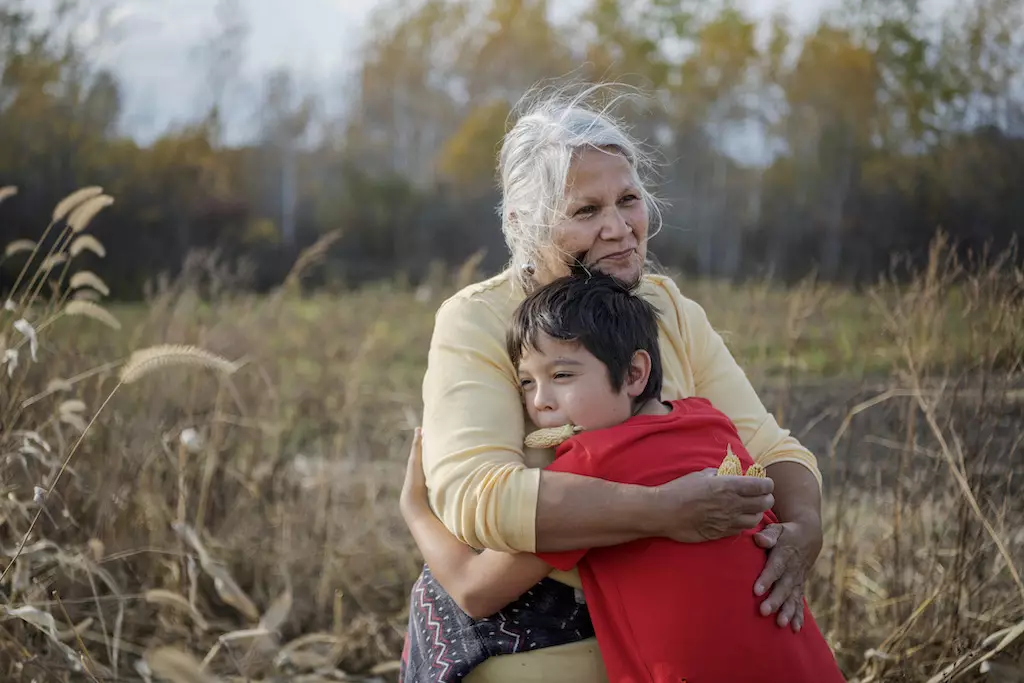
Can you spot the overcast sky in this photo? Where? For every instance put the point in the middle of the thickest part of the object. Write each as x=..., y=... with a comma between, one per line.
x=154, y=48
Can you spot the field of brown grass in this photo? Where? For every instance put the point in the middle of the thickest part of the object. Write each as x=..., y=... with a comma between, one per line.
x=205, y=487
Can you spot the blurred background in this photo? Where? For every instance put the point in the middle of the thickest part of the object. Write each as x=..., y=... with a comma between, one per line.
x=208, y=386
x=791, y=136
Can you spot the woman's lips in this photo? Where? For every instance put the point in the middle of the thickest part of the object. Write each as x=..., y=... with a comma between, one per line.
x=618, y=256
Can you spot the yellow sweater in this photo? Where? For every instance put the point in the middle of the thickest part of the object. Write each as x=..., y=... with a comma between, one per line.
x=483, y=483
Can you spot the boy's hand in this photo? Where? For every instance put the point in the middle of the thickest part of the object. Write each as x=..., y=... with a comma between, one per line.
x=413, y=501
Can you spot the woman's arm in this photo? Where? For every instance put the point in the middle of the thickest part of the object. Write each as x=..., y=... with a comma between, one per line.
x=473, y=430
x=694, y=508
x=481, y=584
x=482, y=491
x=719, y=378
x=799, y=514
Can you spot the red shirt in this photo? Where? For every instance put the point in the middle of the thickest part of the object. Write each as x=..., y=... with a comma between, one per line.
x=669, y=612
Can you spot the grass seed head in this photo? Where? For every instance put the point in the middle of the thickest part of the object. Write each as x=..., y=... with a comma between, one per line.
x=52, y=262
x=91, y=309
x=19, y=246
x=87, y=243
x=148, y=360
x=81, y=217
x=171, y=664
x=73, y=200
x=87, y=278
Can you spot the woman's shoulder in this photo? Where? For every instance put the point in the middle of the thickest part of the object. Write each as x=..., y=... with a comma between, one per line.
x=678, y=311
x=659, y=285
x=496, y=288
x=663, y=291
x=486, y=304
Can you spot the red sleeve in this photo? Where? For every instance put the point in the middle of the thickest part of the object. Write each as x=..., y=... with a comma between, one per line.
x=573, y=458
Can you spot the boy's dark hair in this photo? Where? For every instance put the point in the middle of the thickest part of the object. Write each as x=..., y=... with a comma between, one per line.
x=600, y=312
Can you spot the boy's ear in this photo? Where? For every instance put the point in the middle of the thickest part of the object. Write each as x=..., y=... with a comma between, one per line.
x=638, y=374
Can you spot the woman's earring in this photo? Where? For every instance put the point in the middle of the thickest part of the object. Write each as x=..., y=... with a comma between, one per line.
x=529, y=269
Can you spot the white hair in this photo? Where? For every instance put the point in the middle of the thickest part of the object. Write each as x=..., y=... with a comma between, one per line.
x=533, y=167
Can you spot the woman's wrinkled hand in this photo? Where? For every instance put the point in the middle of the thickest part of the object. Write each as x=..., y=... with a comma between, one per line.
x=704, y=507
x=413, y=500
x=793, y=547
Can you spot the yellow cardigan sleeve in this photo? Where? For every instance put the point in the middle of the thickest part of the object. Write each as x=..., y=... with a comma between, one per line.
x=718, y=378
x=473, y=431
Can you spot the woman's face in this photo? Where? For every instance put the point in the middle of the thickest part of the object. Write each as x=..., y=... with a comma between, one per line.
x=605, y=228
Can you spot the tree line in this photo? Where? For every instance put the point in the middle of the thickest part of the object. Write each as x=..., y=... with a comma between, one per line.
x=781, y=151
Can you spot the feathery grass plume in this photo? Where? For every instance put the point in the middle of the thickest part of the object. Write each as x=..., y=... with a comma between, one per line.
x=310, y=256
x=147, y=360
x=75, y=420
x=90, y=309
x=19, y=246
x=70, y=413
x=52, y=262
x=87, y=278
x=166, y=598
x=74, y=199
x=311, y=651
x=7, y=192
x=171, y=664
x=386, y=667
x=59, y=384
x=73, y=405
x=83, y=215
x=86, y=294
x=87, y=243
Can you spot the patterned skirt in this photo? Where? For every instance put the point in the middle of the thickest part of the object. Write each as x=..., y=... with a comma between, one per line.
x=444, y=644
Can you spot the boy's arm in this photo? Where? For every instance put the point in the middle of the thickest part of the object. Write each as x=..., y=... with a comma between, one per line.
x=481, y=584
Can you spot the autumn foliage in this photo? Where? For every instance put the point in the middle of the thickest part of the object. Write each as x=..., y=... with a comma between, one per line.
x=784, y=150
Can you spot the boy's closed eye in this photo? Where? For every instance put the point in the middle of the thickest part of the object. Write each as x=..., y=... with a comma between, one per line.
x=526, y=382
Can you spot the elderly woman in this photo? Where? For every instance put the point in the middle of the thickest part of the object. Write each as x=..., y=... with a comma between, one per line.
x=573, y=196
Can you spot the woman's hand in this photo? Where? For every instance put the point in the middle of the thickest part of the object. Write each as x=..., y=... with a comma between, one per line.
x=705, y=507
x=413, y=501
x=793, y=548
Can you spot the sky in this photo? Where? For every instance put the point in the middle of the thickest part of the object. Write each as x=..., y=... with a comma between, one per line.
x=153, y=49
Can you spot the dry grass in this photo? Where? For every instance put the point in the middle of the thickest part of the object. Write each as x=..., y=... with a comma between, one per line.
x=209, y=493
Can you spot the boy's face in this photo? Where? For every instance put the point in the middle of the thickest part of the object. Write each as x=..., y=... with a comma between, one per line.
x=564, y=383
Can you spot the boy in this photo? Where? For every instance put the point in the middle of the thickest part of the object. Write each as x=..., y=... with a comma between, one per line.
x=586, y=350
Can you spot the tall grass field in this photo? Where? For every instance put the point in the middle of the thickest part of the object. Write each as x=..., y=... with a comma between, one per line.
x=203, y=487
